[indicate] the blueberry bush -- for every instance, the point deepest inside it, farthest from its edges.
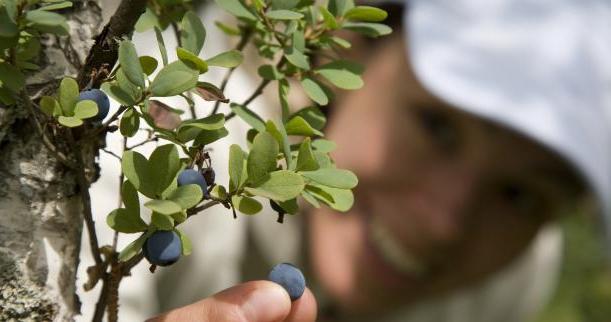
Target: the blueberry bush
(286, 158)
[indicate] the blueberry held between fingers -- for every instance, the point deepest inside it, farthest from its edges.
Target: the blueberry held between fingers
(290, 278)
(100, 98)
(163, 248)
(190, 176)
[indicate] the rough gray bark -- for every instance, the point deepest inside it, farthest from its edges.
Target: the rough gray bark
(40, 205)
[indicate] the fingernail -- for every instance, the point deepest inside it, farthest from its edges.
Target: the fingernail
(265, 304)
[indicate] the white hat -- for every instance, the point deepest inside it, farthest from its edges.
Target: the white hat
(540, 67)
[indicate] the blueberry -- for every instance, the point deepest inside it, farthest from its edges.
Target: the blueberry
(163, 248)
(190, 176)
(99, 98)
(290, 278)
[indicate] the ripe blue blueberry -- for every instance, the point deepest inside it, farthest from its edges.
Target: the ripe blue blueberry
(99, 98)
(163, 248)
(290, 278)
(190, 176)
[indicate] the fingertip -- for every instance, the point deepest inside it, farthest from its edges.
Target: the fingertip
(304, 309)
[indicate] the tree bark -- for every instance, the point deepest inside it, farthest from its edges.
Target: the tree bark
(40, 202)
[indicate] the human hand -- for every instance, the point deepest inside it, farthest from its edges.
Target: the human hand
(256, 301)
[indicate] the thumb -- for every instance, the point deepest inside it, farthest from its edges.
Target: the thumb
(257, 301)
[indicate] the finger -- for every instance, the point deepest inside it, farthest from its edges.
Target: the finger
(304, 309)
(257, 301)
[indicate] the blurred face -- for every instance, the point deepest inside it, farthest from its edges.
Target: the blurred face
(444, 198)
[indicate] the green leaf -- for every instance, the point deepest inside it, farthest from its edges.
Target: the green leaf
(338, 199)
(130, 199)
(85, 109)
(206, 137)
(228, 30)
(283, 95)
(57, 6)
(218, 192)
(127, 87)
(70, 121)
(212, 122)
(237, 165)
(11, 77)
(164, 207)
(290, 206)
(343, 74)
(305, 158)
(165, 164)
(118, 94)
(337, 178)
(185, 243)
(297, 58)
(270, 72)
(148, 20)
(314, 90)
(174, 79)
(339, 7)
(324, 146)
(313, 116)
(298, 126)
(246, 205)
(279, 133)
(148, 64)
(134, 247)
(8, 27)
(192, 60)
(279, 185)
(136, 169)
(130, 63)
(68, 95)
(248, 116)
(237, 8)
(341, 42)
(50, 106)
(328, 18)
(130, 123)
(262, 157)
(366, 13)
(123, 221)
(46, 21)
(284, 15)
(309, 198)
(161, 221)
(192, 33)
(284, 4)
(228, 59)
(187, 196)
(161, 44)
(368, 29)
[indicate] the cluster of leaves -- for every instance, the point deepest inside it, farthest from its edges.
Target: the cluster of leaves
(276, 165)
(21, 24)
(286, 158)
(68, 109)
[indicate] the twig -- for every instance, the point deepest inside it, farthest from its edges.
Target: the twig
(104, 125)
(194, 211)
(111, 153)
(240, 46)
(106, 47)
(148, 140)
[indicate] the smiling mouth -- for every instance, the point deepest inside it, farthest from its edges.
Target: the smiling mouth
(391, 251)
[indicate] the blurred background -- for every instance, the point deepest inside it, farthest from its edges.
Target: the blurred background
(584, 290)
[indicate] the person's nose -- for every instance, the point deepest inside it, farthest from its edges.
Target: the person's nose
(445, 199)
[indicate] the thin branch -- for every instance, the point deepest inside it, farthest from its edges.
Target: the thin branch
(105, 51)
(240, 46)
(194, 211)
(105, 125)
(112, 154)
(148, 140)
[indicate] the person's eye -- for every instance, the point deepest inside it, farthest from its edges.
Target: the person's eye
(519, 197)
(439, 128)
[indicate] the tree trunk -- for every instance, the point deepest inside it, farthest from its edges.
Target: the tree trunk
(40, 204)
